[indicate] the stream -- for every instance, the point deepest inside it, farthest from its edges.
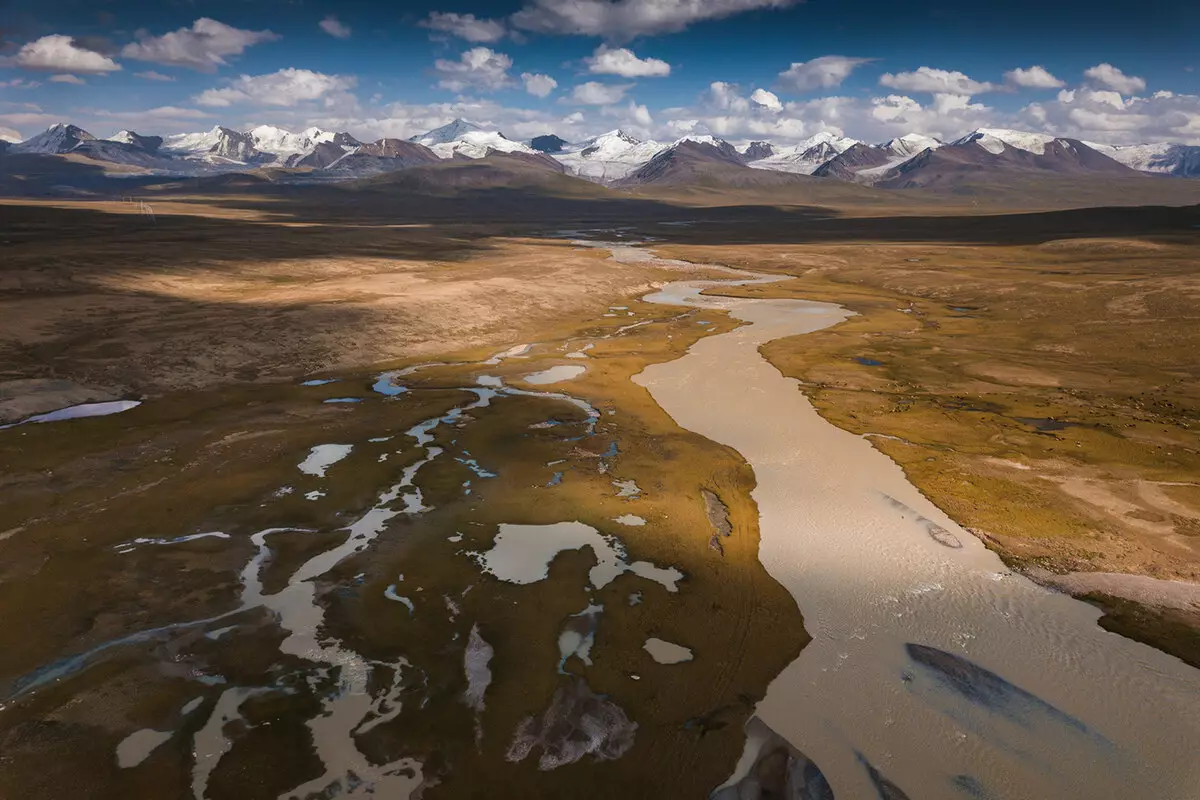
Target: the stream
(933, 668)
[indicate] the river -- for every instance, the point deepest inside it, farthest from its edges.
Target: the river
(931, 662)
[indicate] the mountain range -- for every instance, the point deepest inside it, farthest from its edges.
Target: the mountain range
(617, 158)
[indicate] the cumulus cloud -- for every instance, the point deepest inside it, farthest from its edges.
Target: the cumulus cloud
(935, 81)
(335, 28)
(820, 73)
(203, 47)
(1105, 116)
(10, 135)
(58, 53)
(640, 114)
(724, 96)
(66, 78)
(594, 93)
(768, 100)
(477, 68)
(1110, 77)
(628, 19)
(538, 85)
(465, 26)
(151, 75)
(287, 87)
(1034, 77)
(622, 61)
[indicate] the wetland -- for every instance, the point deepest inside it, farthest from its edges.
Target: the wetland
(684, 530)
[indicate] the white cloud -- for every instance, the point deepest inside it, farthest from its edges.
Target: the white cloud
(819, 73)
(477, 68)
(287, 87)
(594, 93)
(1110, 77)
(202, 47)
(335, 28)
(628, 19)
(57, 53)
(574, 118)
(622, 61)
(1107, 117)
(726, 97)
(935, 81)
(768, 100)
(640, 114)
(66, 78)
(153, 114)
(1034, 77)
(151, 75)
(538, 85)
(10, 135)
(19, 83)
(466, 26)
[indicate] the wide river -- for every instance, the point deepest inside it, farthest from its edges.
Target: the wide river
(931, 661)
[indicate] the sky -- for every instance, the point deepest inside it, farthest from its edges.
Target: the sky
(775, 70)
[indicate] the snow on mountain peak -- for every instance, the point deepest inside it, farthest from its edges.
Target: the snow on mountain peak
(450, 132)
(910, 144)
(994, 140)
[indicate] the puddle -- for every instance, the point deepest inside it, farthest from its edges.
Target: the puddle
(667, 653)
(563, 372)
(385, 384)
(343, 400)
(868, 362)
(137, 746)
(522, 554)
(81, 411)
(630, 519)
(319, 381)
(627, 489)
(578, 636)
(322, 457)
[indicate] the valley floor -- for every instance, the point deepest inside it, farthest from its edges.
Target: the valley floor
(1034, 375)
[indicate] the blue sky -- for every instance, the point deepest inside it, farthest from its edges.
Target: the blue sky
(659, 68)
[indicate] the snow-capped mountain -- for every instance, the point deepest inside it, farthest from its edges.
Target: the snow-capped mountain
(59, 138)
(288, 147)
(608, 157)
(219, 146)
(448, 133)
(757, 151)
(1163, 158)
(995, 140)
(807, 156)
(618, 158)
(910, 144)
(468, 140)
(149, 144)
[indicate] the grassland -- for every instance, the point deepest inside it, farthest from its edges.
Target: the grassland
(216, 458)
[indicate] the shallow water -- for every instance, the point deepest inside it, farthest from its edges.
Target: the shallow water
(322, 457)
(1024, 696)
(81, 411)
(667, 652)
(563, 372)
(522, 554)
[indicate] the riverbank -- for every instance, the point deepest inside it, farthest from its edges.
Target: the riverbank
(931, 666)
(1041, 394)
